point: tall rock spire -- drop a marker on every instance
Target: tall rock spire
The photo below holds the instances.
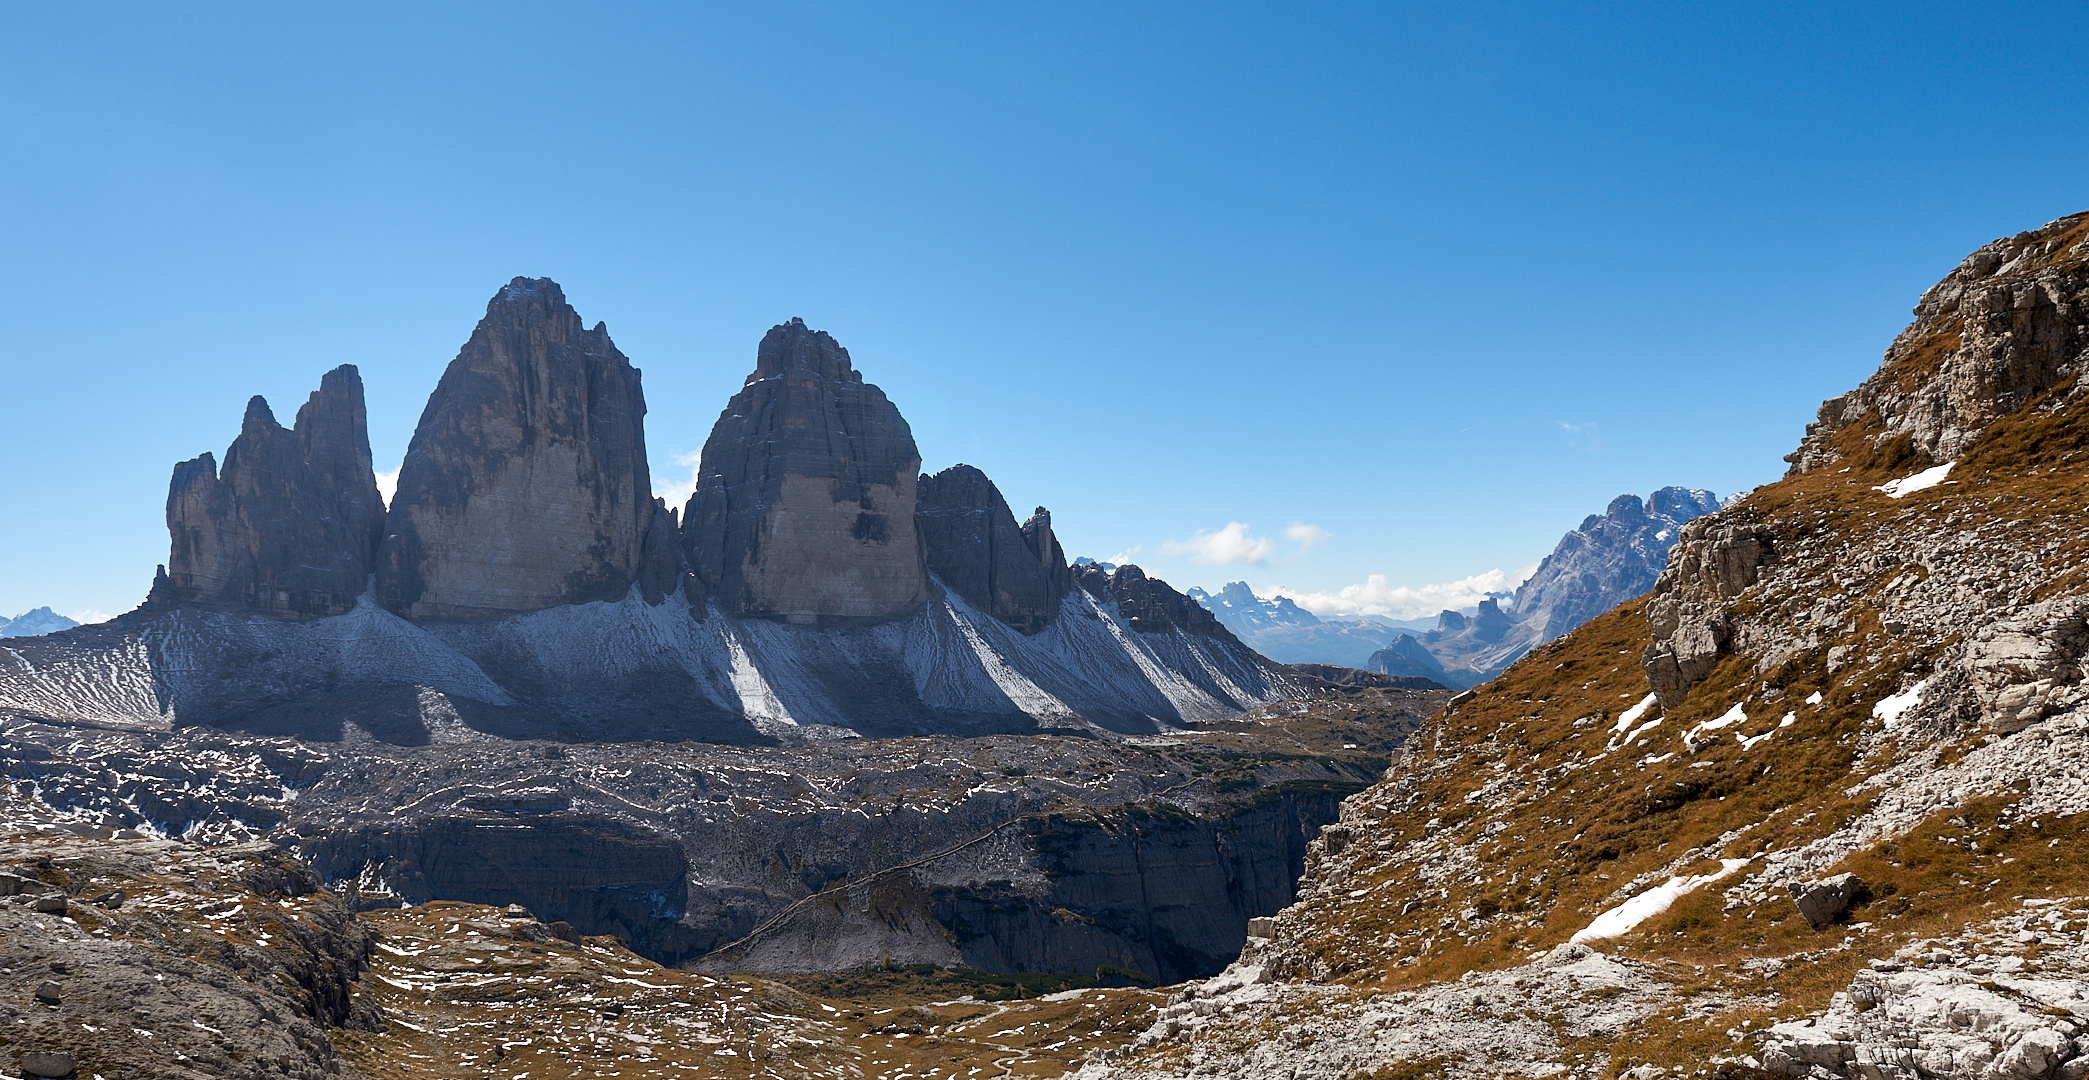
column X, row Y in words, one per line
column 525, row 485
column 975, row 547
column 804, row 502
column 290, row 526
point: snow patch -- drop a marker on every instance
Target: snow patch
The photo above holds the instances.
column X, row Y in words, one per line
column 1620, row 920
column 1893, row 708
column 1927, row 478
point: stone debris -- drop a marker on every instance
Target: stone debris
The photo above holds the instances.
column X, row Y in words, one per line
column 2007, row 1000
column 1822, row 902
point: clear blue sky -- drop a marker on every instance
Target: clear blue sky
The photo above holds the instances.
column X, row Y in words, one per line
column 1436, row 281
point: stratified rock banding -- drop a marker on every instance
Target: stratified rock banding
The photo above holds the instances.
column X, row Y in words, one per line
column 525, row 486
column 290, row 525
column 804, row 502
column 1015, row 573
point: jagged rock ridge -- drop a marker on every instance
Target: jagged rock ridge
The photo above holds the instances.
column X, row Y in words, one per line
column 290, row 526
column 1613, row 557
column 1016, row 573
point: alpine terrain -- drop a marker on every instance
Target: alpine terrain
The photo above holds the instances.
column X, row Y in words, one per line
column 853, row 727
column 1811, row 807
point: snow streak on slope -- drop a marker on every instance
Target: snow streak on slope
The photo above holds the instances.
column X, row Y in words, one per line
column 944, row 667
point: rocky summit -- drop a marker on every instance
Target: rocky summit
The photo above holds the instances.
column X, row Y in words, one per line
column 1613, row 557
column 805, row 494
column 525, row 486
column 289, row 527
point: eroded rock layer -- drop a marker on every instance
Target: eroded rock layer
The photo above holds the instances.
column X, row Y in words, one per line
column 289, row 527
column 525, row 486
column 805, row 498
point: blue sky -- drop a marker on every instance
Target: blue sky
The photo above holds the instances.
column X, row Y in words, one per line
column 1376, row 290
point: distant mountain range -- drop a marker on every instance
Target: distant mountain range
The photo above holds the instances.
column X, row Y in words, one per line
column 34, row 623
column 1279, row 629
column 1613, row 557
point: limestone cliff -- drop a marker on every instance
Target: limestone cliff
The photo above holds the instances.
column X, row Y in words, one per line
column 2011, row 322
column 805, row 498
column 525, row 486
column 1015, row 573
column 290, row 525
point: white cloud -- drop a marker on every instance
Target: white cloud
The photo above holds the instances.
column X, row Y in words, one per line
column 1307, row 537
column 1231, row 544
column 388, row 485
column 1376, row 597
column 89, row 617
column 677, row 492
column 1123, row 557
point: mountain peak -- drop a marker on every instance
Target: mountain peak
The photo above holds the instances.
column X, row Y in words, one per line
column 793, row 346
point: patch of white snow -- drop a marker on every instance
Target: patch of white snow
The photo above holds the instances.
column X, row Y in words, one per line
column 1927, row 478
column 1620, row 920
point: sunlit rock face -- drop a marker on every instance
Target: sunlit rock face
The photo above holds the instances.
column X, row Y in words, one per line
column 289, row 527
column 525, row 486
column 804, row 503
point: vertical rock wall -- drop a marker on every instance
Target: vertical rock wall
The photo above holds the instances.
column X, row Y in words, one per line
column 525, row 486
column 805, row 498
column 975, row 547
column 290, row 526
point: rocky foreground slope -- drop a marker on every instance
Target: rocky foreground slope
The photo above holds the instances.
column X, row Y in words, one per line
column 1814, row 807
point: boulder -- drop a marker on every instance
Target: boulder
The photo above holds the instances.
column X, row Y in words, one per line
column 974, row 547
column 806, row 492
column 49, row 1063
column 1824, row 901
column 525, row 486
column 50, row 993
column 290, row 525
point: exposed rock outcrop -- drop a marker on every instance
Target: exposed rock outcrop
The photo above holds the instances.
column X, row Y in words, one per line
column 1015, row 573
column 1716, row 560
column 290, row 526
column 525, row 486
column 2011, row 322
column 805, row 498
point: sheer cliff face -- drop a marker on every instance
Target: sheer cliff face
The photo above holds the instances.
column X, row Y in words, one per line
column 525, row 486
column 1015, row 573
column 804, row 503
column 290, row 525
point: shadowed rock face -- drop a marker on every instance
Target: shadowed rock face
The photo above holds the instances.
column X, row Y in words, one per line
column 525, row 486
column 804, row 502
column 1015, row 573
column 1150, row 604
column 290, row 526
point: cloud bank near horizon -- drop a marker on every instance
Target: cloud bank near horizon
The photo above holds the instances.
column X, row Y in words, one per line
column 1376, row 596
